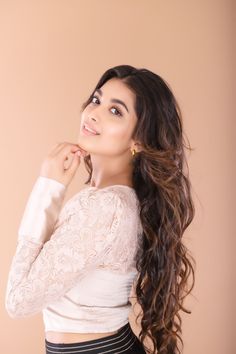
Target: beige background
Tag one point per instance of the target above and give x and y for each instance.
(52, 54)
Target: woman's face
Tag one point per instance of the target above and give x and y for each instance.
(113, 121)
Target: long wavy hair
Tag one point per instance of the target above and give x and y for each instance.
(161, 181)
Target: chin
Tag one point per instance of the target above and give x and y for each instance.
(83, 145)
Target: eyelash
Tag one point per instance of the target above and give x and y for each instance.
(119, 112)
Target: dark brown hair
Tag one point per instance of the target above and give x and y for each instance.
(161, 181)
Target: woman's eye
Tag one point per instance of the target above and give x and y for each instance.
(119, 113)
(94, 98)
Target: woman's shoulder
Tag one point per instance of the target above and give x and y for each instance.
(92, 196)
(117, 191)
(107, 202)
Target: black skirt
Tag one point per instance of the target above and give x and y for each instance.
(124, 341)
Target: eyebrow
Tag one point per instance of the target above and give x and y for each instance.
(115, 100)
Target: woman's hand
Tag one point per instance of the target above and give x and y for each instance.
(54, 164)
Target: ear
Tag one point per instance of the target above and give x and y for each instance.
(136, 145)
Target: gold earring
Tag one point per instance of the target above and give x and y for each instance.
(133, 152)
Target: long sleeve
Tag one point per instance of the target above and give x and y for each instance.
(42, 209)
(44, 268)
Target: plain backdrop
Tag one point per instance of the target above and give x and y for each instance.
(52, 53)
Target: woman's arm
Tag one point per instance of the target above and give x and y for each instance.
(48, 262)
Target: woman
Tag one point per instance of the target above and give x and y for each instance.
(125, 228)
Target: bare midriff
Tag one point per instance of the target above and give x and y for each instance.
(61, 337)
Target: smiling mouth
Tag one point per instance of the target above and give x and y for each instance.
(87, 131)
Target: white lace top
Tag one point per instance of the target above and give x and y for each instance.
(75, 263)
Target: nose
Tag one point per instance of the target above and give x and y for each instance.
(94, 122)
(95, 115)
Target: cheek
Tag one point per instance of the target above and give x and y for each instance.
(117, 133)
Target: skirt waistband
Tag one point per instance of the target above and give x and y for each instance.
(120, 342)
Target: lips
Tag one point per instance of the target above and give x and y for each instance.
(90, 127)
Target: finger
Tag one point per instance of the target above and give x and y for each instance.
(74, 165)
(64, 149)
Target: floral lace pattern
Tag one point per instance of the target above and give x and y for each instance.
(97, 228)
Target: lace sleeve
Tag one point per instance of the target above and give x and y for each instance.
(41, 272)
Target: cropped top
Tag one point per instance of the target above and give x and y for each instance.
(75, 263)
